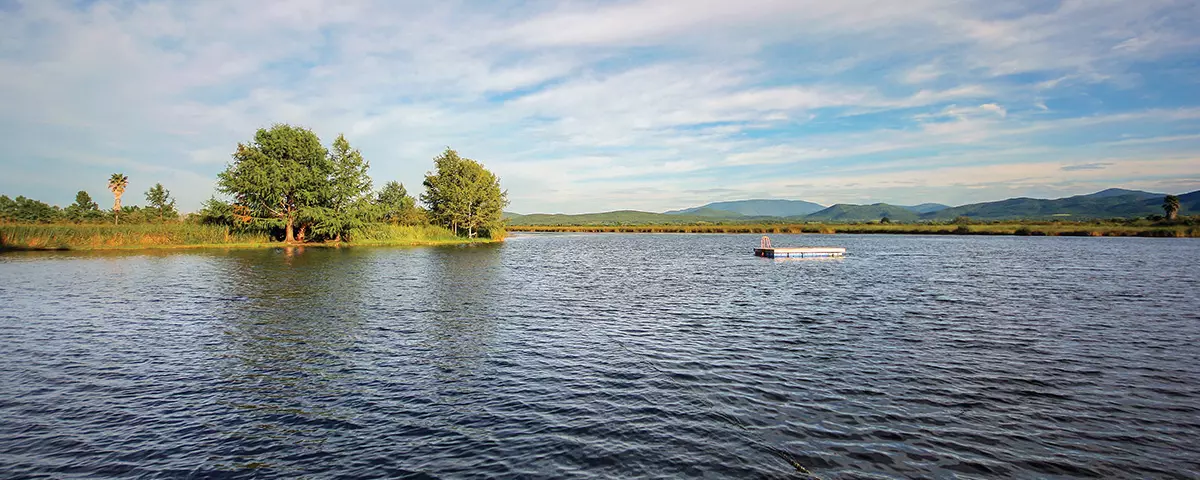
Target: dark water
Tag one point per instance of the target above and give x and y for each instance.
(608, 356)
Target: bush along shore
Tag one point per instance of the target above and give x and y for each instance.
(282, 188)
(1081, 229)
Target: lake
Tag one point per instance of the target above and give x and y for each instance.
(607, 356)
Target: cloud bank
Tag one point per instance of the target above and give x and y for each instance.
(585, 106)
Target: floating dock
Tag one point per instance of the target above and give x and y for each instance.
(800, 252)
(766, 250)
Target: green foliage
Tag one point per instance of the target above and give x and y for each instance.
(29, 210)
(83, 210)
(216, 212)
(117, 184)
(347, 202)
(464, 196)
(383, 233)
(1171, 206)
(160, 200)
(283, 171)
(393, 204)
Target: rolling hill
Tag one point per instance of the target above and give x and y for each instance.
(757, 208)
(863, 213)
(925, 207)
(1110, 203)
(619, 217)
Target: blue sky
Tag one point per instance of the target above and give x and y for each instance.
(591, 106)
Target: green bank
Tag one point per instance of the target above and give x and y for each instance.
(15, 237)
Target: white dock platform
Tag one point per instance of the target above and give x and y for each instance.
(799, 252)
(765, 249)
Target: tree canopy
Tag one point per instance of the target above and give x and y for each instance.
(464, 196)
(283, 171)
(161, 202)
(1171, 206)
(117, 184)
(393, 204)
(347, 197)
(84, 209)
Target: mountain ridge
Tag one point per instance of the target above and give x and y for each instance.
(1108, 203)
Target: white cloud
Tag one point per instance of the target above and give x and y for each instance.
(667, 93)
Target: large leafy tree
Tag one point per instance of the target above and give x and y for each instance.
(160, 200)
(393, 204)
(284, 171)
(1171, 206)
(347, 202)
(117, 184)
(83, 209)
(464, 196)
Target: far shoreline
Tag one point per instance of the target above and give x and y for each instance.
(1001, 229)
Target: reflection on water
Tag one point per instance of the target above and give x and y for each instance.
(287, 370)
(607, 356)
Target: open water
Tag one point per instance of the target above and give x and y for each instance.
(607, 356)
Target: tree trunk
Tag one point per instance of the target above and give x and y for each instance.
(289, 236)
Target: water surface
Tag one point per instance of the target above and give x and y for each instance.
(607, 356)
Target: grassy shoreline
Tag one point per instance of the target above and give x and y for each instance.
(1020, 229)
(172, 236)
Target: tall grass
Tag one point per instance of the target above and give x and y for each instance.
(388, 234)
(97, 236)
(1051, 229)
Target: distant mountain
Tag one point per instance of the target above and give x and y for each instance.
(1117, 192)
(619, 217)
(863, 213)
(925, 207)
(1109, 203)
(757, 208)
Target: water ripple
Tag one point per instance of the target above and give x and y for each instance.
(602, 356)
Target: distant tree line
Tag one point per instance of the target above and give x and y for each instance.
(160, 208)
(287, 183)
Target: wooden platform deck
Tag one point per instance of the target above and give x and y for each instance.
(798, 252)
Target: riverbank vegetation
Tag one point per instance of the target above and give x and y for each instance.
(283, 186)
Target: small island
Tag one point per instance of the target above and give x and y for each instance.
(282, 188)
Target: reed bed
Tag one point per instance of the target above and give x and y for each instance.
(100, 236)
(910, 229)
(388, 234)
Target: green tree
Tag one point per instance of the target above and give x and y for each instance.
(393, 204)
(160, 200)
(1171, 206)
(283, 171)
(117, 183)
(84, 209)
(217, 212)
(23, 209)
(464, 196)
(347, 202)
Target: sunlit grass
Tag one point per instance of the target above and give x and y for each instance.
(387, 234)
(96, 236)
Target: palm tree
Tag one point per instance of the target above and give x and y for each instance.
(117, 183)
(1171, 206)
